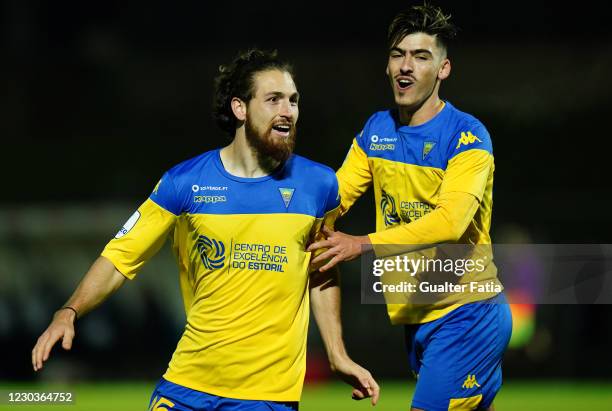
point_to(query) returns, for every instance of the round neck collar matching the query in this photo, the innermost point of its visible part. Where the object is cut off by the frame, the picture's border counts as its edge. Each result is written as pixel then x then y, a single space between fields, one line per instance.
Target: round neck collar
pixel 429 123
pixel 225 173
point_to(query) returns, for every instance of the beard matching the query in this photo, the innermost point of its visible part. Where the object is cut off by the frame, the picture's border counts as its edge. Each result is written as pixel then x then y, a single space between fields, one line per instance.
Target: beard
pixel 270 151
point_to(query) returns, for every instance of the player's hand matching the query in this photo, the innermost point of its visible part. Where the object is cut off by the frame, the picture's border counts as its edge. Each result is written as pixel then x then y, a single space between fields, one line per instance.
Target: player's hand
pixel 341 247
pixel 62 327
pixel 364 385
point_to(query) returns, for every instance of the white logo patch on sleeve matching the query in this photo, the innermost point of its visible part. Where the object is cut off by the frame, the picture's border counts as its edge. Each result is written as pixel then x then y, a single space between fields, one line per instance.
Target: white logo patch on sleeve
pixel 129 224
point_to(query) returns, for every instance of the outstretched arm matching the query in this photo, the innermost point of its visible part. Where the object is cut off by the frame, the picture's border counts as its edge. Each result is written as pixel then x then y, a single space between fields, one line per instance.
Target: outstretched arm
pixel 445 224
pixel 325 301
pixel 139 240
pixel 100 282
pixel 460 197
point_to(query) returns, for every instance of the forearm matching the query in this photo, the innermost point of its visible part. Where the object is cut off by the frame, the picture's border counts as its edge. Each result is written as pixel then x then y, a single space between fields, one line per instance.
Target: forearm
pixel 325 302
pixel 446 223
pixel 99 283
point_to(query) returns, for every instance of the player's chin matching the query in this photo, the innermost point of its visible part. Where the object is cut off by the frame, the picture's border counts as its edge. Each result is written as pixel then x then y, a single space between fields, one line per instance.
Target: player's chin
pixel 281 146
pixel 280 150
pixel 402 99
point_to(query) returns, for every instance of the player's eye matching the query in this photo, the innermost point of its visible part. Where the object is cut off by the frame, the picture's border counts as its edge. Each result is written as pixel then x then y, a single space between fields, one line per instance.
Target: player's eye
pixel 395 55
pixel 273 99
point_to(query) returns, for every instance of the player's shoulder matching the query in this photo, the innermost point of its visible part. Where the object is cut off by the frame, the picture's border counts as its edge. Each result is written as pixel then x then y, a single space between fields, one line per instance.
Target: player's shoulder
pixel 382 122
pixel 318 180
pixel 185 174
pixel 465 132
pixel 175 186
pixel 381 118
pixel 462 120
pixel 193 165
pixel 311 171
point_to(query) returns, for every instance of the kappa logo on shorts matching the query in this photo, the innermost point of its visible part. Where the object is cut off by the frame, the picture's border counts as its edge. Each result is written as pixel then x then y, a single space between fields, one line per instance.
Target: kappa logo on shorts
pixel 212 252
pixel 161 403
pixel 470 382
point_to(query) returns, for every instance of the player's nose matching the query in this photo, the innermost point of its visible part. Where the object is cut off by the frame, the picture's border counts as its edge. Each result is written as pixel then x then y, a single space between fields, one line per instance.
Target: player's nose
pixel 406 66
pixel 287 110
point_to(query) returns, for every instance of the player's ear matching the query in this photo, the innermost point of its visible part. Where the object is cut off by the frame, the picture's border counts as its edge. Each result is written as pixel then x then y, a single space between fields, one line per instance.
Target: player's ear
pixel 239 108
pixel 445 69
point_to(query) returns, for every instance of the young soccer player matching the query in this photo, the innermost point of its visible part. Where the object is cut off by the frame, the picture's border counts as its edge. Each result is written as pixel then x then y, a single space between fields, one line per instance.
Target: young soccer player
pixel 240 219
pixel 431 167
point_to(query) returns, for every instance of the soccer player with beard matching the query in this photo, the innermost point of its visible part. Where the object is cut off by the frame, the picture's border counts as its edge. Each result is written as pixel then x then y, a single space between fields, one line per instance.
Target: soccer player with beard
pixel 240 219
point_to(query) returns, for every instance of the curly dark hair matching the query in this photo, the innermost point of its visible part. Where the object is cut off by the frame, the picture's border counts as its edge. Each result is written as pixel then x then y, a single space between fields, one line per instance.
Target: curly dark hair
pixel 426 19
pixel 237 80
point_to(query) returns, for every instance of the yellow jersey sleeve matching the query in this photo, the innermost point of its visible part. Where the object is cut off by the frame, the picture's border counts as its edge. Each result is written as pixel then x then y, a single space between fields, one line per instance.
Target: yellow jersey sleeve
pixel 333 209
pixel 354 176
pixel 329 221
pixel 468 172
pixel 140 238
pixel 461 191
pixel 447 222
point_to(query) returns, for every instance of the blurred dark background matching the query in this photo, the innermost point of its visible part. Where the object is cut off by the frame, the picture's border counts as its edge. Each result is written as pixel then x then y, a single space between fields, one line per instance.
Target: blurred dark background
pixel 100 98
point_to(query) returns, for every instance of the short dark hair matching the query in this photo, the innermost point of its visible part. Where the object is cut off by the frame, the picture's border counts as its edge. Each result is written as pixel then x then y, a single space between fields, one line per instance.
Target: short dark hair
pixel 237 80
pixel 426 19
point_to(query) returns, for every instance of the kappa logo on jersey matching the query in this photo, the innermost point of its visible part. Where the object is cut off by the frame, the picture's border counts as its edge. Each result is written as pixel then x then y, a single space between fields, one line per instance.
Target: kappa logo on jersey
pixel 156 187
pixel 470 382
pixel 212 252
pixel 216 197
pixel 467 139
pixel 427 147
pixel 382 143
pixel 286 194
pixel 381 147
pixel 387 205
pixel 209 199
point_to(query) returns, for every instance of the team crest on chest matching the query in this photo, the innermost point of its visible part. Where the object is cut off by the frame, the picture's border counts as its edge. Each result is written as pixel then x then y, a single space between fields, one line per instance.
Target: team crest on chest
pixel 427 147
pixel 286 194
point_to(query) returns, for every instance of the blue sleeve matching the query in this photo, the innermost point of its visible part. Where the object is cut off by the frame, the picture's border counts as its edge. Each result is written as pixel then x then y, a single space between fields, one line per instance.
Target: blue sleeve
pixel 333 196
pixel 469 137
pixel 363 138
pixel 166 195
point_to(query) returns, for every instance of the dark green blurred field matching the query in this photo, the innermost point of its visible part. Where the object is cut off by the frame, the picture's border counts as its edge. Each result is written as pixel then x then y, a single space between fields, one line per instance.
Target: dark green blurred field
pixel 523 396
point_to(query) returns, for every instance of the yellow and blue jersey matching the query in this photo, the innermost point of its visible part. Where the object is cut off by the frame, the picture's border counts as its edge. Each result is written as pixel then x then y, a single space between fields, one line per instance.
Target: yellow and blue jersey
pixel 410 167
pixel 243 270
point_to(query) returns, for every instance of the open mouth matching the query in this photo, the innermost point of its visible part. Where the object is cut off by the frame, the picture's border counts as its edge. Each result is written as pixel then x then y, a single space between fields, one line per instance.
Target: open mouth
pixel 282 129
pixel 404 84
